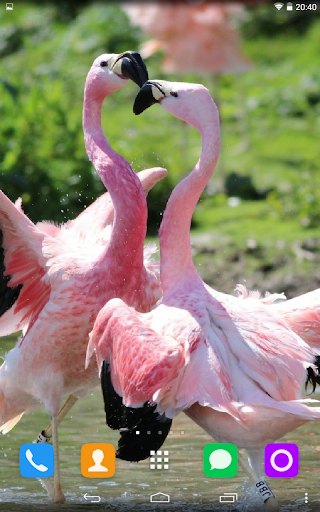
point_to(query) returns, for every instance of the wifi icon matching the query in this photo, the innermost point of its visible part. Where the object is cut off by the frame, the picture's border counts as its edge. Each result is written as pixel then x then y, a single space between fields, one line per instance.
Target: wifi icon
pixel 278 5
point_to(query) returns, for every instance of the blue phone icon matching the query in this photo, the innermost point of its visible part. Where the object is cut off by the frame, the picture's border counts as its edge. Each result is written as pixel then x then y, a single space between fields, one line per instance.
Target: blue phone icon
pixel 36 460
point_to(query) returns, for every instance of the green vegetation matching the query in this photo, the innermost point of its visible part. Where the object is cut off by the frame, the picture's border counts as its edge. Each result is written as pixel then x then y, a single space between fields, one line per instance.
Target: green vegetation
pixel 270 123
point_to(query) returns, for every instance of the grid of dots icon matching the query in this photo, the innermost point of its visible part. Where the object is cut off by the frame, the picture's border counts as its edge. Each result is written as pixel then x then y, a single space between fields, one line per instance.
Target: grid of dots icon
pixel 157 461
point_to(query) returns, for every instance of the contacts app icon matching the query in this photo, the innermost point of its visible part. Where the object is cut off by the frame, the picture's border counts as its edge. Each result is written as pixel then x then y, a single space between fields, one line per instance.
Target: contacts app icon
pixel 98 460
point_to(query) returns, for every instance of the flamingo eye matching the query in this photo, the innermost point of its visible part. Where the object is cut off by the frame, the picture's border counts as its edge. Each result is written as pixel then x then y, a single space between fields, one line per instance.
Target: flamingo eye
pixel 173 93
pixel 104 63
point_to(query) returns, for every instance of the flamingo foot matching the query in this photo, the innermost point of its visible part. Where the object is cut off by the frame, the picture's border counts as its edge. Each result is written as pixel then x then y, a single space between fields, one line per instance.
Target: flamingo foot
pixel 271 505
pixel 58 497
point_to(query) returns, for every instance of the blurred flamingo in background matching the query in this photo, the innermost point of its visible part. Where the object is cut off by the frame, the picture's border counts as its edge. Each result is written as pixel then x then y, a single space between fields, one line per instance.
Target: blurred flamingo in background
pixel 232 365
pixel 67 274
pixel 195 38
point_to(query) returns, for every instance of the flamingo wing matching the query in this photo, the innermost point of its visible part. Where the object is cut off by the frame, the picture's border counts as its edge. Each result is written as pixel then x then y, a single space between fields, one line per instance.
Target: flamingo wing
pixel 8 296
pixel 302 314
pixel 135 363
pixel 267 349
pixel 24 268
pixel 141 361
pixel 142 429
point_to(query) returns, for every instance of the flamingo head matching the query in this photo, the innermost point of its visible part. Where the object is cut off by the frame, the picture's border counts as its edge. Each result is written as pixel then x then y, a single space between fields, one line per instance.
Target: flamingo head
pixel 191 103
pixel 110 72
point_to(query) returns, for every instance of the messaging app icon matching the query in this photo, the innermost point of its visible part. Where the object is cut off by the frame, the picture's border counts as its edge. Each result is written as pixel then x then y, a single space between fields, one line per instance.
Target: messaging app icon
pixel 220 460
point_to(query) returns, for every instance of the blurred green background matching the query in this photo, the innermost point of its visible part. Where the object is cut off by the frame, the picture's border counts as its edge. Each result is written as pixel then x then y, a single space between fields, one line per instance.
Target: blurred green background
pixel 269 236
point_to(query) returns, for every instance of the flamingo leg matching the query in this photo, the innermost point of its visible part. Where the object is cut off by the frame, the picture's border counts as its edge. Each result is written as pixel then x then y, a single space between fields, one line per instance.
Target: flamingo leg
pixel 47 483
pixel 71 400
pixel 253 472
pixel 58 496
pixel 45 436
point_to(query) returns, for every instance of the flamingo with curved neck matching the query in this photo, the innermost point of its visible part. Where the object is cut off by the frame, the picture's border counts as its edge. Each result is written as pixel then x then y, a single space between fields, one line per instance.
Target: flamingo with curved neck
pixel 66 275
pixel 176 258
pixel 232 365
pixel 130 207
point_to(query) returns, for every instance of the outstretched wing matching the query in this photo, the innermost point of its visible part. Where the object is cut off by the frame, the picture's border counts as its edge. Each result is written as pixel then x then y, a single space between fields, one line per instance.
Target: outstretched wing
pixel 24 268
pixel 141 361
pixel 135 363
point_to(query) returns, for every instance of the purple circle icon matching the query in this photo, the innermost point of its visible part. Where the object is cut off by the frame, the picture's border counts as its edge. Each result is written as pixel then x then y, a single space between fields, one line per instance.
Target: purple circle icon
pixel 281 460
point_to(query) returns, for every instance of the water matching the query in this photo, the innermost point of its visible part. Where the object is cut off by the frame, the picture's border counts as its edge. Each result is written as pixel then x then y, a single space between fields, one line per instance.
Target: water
pixel 131 486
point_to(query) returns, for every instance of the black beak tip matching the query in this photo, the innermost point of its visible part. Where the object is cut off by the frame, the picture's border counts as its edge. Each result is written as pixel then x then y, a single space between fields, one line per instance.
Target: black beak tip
pixel 133 67
pixel 144 99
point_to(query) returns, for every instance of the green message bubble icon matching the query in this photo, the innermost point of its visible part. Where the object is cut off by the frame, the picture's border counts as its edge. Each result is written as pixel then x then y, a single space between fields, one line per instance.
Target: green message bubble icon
pixel 220 460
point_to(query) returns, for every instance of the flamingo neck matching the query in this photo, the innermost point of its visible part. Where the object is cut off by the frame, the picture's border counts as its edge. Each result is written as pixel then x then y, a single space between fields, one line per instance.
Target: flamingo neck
pixel 176 262
pixel 129 201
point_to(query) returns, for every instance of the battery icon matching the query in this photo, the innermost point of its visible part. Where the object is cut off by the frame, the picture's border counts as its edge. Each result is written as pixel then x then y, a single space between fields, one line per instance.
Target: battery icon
pixel 289 6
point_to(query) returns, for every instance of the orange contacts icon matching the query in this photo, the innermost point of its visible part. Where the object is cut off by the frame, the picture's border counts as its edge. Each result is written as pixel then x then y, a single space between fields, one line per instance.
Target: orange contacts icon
pixel 98 460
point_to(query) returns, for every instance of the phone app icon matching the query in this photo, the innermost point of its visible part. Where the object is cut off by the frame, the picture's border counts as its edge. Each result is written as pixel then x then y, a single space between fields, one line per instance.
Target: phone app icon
pixel 220 460
pixel 98 460
pixel 281 460
pixel 36 460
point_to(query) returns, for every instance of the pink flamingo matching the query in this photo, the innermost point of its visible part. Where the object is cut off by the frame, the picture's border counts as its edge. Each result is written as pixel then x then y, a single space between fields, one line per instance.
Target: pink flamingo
pixel 68 274
pixel 232 365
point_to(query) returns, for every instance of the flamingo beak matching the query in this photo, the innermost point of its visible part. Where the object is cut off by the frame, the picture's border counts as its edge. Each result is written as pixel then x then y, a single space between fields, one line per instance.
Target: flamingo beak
pixel 130 65
pixel 147 96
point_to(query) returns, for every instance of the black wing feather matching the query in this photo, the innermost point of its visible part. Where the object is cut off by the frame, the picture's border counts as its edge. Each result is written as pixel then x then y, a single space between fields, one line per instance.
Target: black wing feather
pixel 313 376
pixel 153 427
pixel 8 296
